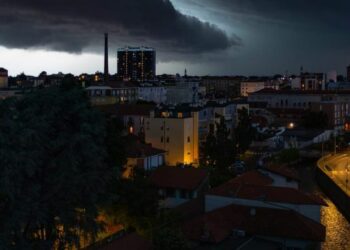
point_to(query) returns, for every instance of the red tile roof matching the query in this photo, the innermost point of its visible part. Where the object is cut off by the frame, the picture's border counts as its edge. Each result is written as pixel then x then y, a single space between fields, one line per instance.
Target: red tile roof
pixel 218 225
pixel 134 148
pixel 266 193
pixel 283 171
pixel 179 178
pixel 253 177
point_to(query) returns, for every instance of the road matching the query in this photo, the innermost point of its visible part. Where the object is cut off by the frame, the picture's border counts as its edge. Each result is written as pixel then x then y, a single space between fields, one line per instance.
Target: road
pixel 337 167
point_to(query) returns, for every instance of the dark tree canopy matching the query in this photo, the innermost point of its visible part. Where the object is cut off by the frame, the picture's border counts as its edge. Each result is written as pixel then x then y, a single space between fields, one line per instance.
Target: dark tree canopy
pixel 244 131
pixel 219 153
pixel 54 167
pixel 315 120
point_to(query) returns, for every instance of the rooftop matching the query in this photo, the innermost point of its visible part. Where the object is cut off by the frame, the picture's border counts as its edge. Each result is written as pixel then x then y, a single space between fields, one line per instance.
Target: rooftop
pixel 218 225
pixel 136 149
pixel 187 178
pixel 300 92
pixel 304 134
pixel 283 171
pixel 253 177
pixel 266 193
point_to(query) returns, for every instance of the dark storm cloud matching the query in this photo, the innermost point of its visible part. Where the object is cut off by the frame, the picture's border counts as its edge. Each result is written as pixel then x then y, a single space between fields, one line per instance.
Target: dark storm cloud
pixel 333 14
pixel 73 25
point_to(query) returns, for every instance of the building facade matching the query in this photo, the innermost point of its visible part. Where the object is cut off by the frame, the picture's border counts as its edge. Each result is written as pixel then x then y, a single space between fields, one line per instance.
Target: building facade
pixel 152 93
pixel 289 104
pixel 3 78
pixel 229 87
pixel 104 95
pixel 137 63
pixel 176 133
pixel 248 87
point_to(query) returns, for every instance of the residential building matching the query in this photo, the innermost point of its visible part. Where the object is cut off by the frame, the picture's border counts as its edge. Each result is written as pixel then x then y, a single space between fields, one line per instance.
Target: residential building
pixel 182 91
pixel 112 93
pixel 254 195
pixel 3 78
pixel 213 111
pixel 301 138
pixel 133 116
pixel 261 209
pixel 281 176
pixel 249 227
pixel 222 86
pixel 287 105
pixel 312 81
pixel 176 132
pixel 151 92
pixel 276 176
pixel 177 185
pixel 252 86
pixel 137 63
pixel 140 155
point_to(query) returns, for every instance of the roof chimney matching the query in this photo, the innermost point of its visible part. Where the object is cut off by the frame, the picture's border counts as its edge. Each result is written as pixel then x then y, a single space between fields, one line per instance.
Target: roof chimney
pixel 106 73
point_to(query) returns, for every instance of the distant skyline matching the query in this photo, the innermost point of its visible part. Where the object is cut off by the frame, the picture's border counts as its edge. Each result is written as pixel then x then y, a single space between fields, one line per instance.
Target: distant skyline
pixel 207 37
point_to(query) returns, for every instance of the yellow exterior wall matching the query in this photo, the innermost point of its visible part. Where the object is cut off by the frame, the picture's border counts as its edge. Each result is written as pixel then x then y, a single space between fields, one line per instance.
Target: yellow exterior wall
pixel 178 149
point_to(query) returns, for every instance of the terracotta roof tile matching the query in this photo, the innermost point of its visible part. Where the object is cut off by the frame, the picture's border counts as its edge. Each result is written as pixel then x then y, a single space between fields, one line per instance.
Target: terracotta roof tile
pixel 218 225
pixel 134 148
pixel 266 193
pixel 283 171
pixel 177 177
pixel 253 177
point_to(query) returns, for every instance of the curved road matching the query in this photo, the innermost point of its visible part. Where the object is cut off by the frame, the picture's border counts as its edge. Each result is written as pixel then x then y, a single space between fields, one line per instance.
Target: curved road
pixel 337 167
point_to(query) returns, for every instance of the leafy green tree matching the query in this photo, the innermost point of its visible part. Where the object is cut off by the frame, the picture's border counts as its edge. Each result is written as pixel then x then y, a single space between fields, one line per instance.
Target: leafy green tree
pixel 209 149
pixel 244 132
pixel 288 155
pixel 219 154
pixel 225 147
pixel 170 238
pixel 136 207
pixel 54 167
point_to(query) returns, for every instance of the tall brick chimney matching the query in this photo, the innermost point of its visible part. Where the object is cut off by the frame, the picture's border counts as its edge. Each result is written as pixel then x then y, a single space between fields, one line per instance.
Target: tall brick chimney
pixel 106 72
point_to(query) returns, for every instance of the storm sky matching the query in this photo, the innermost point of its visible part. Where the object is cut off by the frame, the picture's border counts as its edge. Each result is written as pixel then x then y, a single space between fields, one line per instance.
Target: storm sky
pixel 208 37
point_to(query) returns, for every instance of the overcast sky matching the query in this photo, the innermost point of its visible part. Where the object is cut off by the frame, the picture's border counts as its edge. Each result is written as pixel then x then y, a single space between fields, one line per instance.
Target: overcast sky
pixel 208 37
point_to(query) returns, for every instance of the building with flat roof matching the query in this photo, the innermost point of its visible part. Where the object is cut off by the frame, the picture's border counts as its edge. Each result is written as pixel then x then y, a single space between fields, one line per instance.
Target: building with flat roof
pixel 137 63
pixel 175 132
pixel 3 78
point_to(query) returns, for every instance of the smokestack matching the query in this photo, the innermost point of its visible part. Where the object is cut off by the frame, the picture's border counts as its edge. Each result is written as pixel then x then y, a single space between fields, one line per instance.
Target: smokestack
pixel 106 72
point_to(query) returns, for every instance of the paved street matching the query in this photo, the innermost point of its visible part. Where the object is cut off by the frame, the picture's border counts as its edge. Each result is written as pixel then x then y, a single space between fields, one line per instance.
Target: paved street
pixel 337 167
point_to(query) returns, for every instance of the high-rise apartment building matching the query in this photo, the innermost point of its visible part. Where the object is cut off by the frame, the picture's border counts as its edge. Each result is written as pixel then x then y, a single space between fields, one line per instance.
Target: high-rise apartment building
pixel 137 63
pixel 3 78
